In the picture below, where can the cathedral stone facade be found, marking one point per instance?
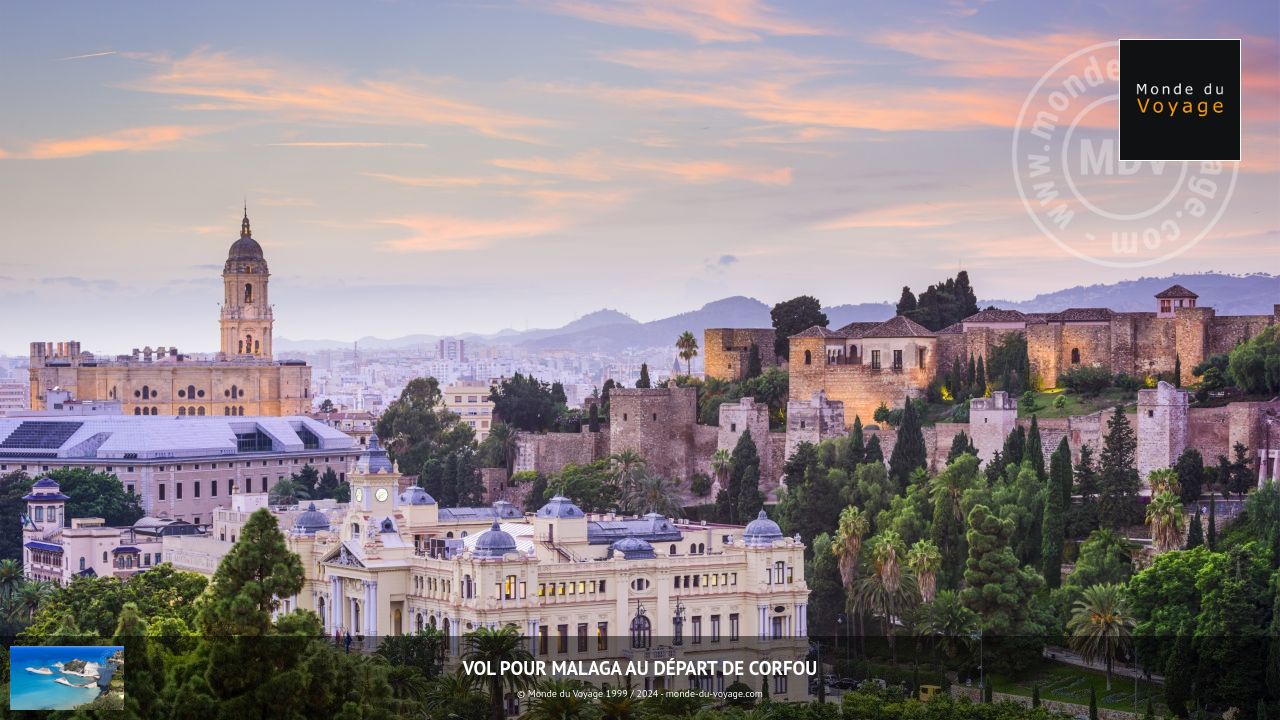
(241, 379)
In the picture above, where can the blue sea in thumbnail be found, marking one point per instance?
(35, 691)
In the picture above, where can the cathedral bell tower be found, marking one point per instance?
(246, 310)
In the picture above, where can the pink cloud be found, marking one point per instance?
(454, 181)
(959, 53)
(440, 233)
(703, 20)
(301, 94)
(594, 166)
(138, 139)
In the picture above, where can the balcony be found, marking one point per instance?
(661, 652)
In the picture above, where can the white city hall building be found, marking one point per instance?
(580, 587)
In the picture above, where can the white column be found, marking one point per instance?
(1263, 462)
(453, 636)
(335, 604)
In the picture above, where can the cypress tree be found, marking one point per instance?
(1177, 371)
(1093, 704)
(1034, 450)
(857, 447)
(1211, 537)
(994, 469)
(593, 418)
(1195, 533)
(643, 382)
(754, 365)
(751, 501)
(971, 374)
(986, 691)
(1015, 447)
(1055, 515)
(744, 457)
(909, 451)
(874, 453)
(960, 445)
(956, 382)
(980, 378)
(1118, 481)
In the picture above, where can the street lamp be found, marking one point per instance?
(678, 623)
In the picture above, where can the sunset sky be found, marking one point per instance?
(453, 167)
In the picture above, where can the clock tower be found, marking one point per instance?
(374, 482)
(246, 311)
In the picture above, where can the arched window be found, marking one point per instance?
(146, 392)
(182, 411)
(191, 391)
(82, 563)
(641, 632)
(104, 556)
(419, 623)
(1075, 356)
(468, 587)
(240, 348)
(808, 358)
(137, 411)
(248, 342)
(200, 411)
(702, 548)
(248, 292)
(257, 348)
(673, 550)
(191, 411)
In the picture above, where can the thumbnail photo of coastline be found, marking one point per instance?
(63, 677)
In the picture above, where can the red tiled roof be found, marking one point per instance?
(991, 315)
(1082, 315)
(856, 329)
(899, 327)
(1176, 291)
(952, 329)
(817, 331)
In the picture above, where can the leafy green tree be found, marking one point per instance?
(826, 590)
(1234, 596)
(941, 304)
(423, 651)
(1211, 538)
(326, 406)
(494, 646)
(1240, 477)
(95, 603)
(95, 494)
(909, 452)
(700, 485)
(906, 302)
(329, 486)
(793, 316)
(591, 487)
(1105, 557)
(1263, 512)
(526, 403)
(1254, 365)
(644, 381)
(417, 428)
(1118, 481)
(1015, 446)
(1055, 515)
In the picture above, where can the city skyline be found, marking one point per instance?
(445, 168)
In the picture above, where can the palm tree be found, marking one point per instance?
(652, 493)
(618, 708)
(29, 597)
(721, 463)
(888, 591)
(924, 559)
(1164, 479)
(1167, 521)
(948, 621)
(688, 346)
(1100, 625)
(451, 691)
(886, 554)
(10, 577)
(504, 439)
(493, 647)
(626, 465)
(848, 542)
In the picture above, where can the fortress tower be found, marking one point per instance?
(1162, 428)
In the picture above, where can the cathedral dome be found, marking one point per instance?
(246, 248)
(633, 548)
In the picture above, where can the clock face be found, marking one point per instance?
(359, 494)
(381, 494)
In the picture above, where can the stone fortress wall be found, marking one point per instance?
(725, 351)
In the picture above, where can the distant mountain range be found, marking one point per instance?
(611, 331)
